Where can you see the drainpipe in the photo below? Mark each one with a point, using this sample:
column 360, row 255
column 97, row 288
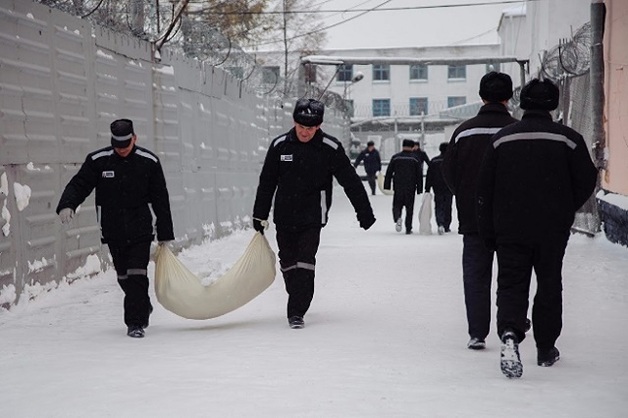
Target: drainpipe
column 598, row 15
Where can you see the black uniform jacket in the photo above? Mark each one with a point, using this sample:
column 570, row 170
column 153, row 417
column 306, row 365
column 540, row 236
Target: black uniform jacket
column 372, row 161
column 124, row 189
column 434, row 179
column 535, row 176
column 464, row 156
column 300, row 176
column 404, row 170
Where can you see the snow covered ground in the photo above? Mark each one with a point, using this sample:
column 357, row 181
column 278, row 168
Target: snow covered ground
column 385, row 337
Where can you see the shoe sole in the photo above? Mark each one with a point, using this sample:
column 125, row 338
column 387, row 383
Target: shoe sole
column 510, row 362
column 476, row 346
column 398, row 226
column 296, row 326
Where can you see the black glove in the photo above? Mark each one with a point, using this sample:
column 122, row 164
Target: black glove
column 366, row 223
column 258, row 225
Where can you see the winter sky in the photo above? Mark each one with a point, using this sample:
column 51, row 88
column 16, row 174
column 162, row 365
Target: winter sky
column 411, row 22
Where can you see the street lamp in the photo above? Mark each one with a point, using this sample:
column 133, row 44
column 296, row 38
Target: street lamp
column 357, row 77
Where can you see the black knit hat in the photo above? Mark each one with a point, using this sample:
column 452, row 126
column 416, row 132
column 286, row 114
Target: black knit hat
column 496, row 87
column 308, row 112
column 541, row 95
column 121, row 133
column 407, row 143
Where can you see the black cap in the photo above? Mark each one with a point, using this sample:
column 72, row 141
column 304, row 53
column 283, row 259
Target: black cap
column 496, row 87
column 308, row 112
column 443, row 147
column 537, row 94
column 121, row 133
column 368, row 144
column 407, row 143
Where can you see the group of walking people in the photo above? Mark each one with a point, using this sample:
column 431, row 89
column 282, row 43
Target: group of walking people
column 517, row 186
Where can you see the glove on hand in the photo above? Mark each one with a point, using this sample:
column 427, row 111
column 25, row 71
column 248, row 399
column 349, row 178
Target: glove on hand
column 166, row 243
column 259, row 225
column 367, row 222
column 66, row 215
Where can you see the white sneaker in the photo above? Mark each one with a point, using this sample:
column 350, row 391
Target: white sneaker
column 398, row 225
column 441, row 230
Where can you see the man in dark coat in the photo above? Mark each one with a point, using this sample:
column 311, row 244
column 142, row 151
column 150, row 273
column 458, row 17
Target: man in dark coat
column 443, row 197
column 372, row 164
column 298, row 171
column 422, row 157
column 460, row 170
column 129, row 181
column 536, row 174
column 404, row 172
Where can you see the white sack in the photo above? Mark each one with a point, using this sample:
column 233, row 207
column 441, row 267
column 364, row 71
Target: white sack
column 380, row 184
column 182, row 293
column 425, row 214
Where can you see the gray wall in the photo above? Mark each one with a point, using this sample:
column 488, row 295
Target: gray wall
column 62, row 82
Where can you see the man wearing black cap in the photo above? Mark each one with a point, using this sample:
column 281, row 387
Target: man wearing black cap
column 372, row 164
column 404, row 172
column 298, row 171
column 460, row 169
column 536, row 174
column 129, row 181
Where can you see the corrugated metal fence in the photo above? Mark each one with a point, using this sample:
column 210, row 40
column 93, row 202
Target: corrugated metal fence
column 62, row 82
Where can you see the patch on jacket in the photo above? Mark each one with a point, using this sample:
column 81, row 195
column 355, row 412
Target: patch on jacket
column 108, row 174
column 286, row 157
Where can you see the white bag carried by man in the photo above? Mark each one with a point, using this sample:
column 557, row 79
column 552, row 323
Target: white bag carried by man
column 425, row 214
column 181, row 292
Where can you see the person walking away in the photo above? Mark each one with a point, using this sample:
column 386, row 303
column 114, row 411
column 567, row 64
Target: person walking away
column 404, row 172
column 536, row 174
column 372, row 164
column 460, row 169
column 422, row 157
column 298, row 171
column 129, row 181
column 443, row 198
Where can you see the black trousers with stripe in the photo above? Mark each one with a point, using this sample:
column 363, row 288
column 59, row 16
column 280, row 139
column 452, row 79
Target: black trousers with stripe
column 131, row 263
column 404, row 198
column 297, row 258
column 516, row 260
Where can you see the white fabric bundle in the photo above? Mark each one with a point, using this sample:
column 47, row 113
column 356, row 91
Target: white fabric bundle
column 380, row 184
column 182, row 293
column 425, row 214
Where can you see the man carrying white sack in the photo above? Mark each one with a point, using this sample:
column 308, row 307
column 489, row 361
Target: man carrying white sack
column 127, row 179
column 298, row 171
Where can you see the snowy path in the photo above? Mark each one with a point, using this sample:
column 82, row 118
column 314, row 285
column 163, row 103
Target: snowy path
column 385, row 337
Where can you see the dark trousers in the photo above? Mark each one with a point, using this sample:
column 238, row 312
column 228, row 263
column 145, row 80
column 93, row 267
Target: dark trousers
column 477, row 271
column 404, row 198
column 297, row 258
column 371, row 179
column 516, row 261
column 442, row 207
column 131, row 262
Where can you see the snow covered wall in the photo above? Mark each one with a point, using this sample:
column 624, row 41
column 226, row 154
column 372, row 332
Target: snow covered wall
column 62, row 82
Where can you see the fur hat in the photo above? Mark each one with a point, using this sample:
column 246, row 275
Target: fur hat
column 308, row 112
column 121, row 133
column 537, row 94
column 496, row 87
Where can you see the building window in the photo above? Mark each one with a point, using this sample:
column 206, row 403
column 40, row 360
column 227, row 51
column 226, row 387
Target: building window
column 381, row 72
column 418, row 72
column 345, row 72
column 381, row 107
column 270, row 75
column 456, row 101
column 457, row 72
column 493, row 67
column 418, row 106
